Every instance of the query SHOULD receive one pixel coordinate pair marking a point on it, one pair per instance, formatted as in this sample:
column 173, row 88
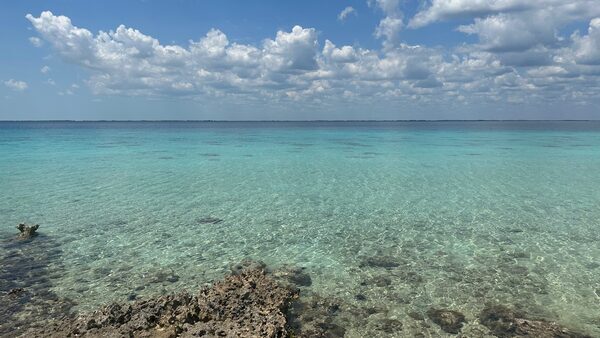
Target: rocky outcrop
column 246, row 304
column 27, row 231
column 504, row 322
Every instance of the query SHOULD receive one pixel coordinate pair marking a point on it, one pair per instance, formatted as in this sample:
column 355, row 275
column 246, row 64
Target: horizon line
column 351, row 120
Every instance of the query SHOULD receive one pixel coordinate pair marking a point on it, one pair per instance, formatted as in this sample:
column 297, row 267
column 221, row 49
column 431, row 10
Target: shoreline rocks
column 247, row 304
column 254, row 301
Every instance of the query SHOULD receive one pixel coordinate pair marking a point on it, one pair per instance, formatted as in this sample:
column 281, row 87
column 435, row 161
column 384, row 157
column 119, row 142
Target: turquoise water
column 471, row 212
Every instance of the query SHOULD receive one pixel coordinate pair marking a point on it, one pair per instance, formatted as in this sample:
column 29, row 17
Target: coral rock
column 27, row 231
column 247, row 304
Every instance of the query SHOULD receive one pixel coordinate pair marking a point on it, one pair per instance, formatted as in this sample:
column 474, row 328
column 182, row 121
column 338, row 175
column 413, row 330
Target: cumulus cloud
column 45, row 70
column 509, row 25
column 35, row 41
column 346, row 12
column 390, row 26
column 586, row 49
column 16, row 85
column 506, row 33
column 441, row 10
column 515, row 60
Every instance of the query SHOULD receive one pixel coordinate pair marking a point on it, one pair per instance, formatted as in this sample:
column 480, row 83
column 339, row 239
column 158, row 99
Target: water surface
column 467, row 212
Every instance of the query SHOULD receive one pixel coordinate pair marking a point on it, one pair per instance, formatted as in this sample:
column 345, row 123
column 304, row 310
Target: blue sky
column 232, row 60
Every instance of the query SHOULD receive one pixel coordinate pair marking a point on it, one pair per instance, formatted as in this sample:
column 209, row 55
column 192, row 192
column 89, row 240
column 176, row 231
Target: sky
column 299, row 60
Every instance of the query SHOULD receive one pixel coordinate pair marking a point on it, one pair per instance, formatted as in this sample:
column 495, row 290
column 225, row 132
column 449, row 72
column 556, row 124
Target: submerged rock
column 27, row 231
column 379, row 281
column 209, row 220
column 315, row 316
column 162, row 277
column 504, row 322
column 293, row 275
column 247, row 264
column 26, row 296
column 16, row 292
column 388, row 326
column 386, row 262
column 247, row 304
column 449, row 320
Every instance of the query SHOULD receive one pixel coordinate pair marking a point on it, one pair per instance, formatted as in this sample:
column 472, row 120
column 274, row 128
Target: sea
column 401, row 216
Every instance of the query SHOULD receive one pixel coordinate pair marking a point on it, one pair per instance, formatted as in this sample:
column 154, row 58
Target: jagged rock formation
column 246, row 304
column 27, row 231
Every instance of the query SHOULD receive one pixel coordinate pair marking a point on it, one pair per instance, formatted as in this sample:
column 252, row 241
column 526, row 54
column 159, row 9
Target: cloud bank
column 520, row 57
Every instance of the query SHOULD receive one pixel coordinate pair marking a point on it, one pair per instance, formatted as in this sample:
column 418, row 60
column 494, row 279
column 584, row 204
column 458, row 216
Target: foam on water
column 467, row 212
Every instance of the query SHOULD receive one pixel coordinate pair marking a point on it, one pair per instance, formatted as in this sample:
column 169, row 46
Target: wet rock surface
column 505, row 322
column 449, row 320
column 247, row 304
column 27, row 231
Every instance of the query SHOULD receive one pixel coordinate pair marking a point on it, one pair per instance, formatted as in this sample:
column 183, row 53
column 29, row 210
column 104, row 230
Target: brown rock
column 247, row 304
column 27, row 231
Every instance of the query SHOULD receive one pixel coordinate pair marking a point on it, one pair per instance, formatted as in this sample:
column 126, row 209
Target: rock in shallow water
column 504, row 322
column 27, row 231
column 247, row 304
column 293, row 275
column 209, row 220
column 386, row 262
column 449, row 320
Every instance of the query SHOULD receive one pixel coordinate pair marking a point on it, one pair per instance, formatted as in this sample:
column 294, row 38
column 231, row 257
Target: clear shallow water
column 472, row 212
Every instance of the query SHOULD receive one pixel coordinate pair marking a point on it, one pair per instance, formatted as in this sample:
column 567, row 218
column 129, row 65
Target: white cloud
column 16, row 85
column 513, row 60
column 344, row 54
column 507, row 33
column 346, row 12
column 35, row 41
column 66, row 92
column 45, row 70
column 440, row 10
column 586, row 48
column 390, row 26
column 292, row 51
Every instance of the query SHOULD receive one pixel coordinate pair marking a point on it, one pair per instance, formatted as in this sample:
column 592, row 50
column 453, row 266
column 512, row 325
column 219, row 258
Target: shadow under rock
column 26, row 299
